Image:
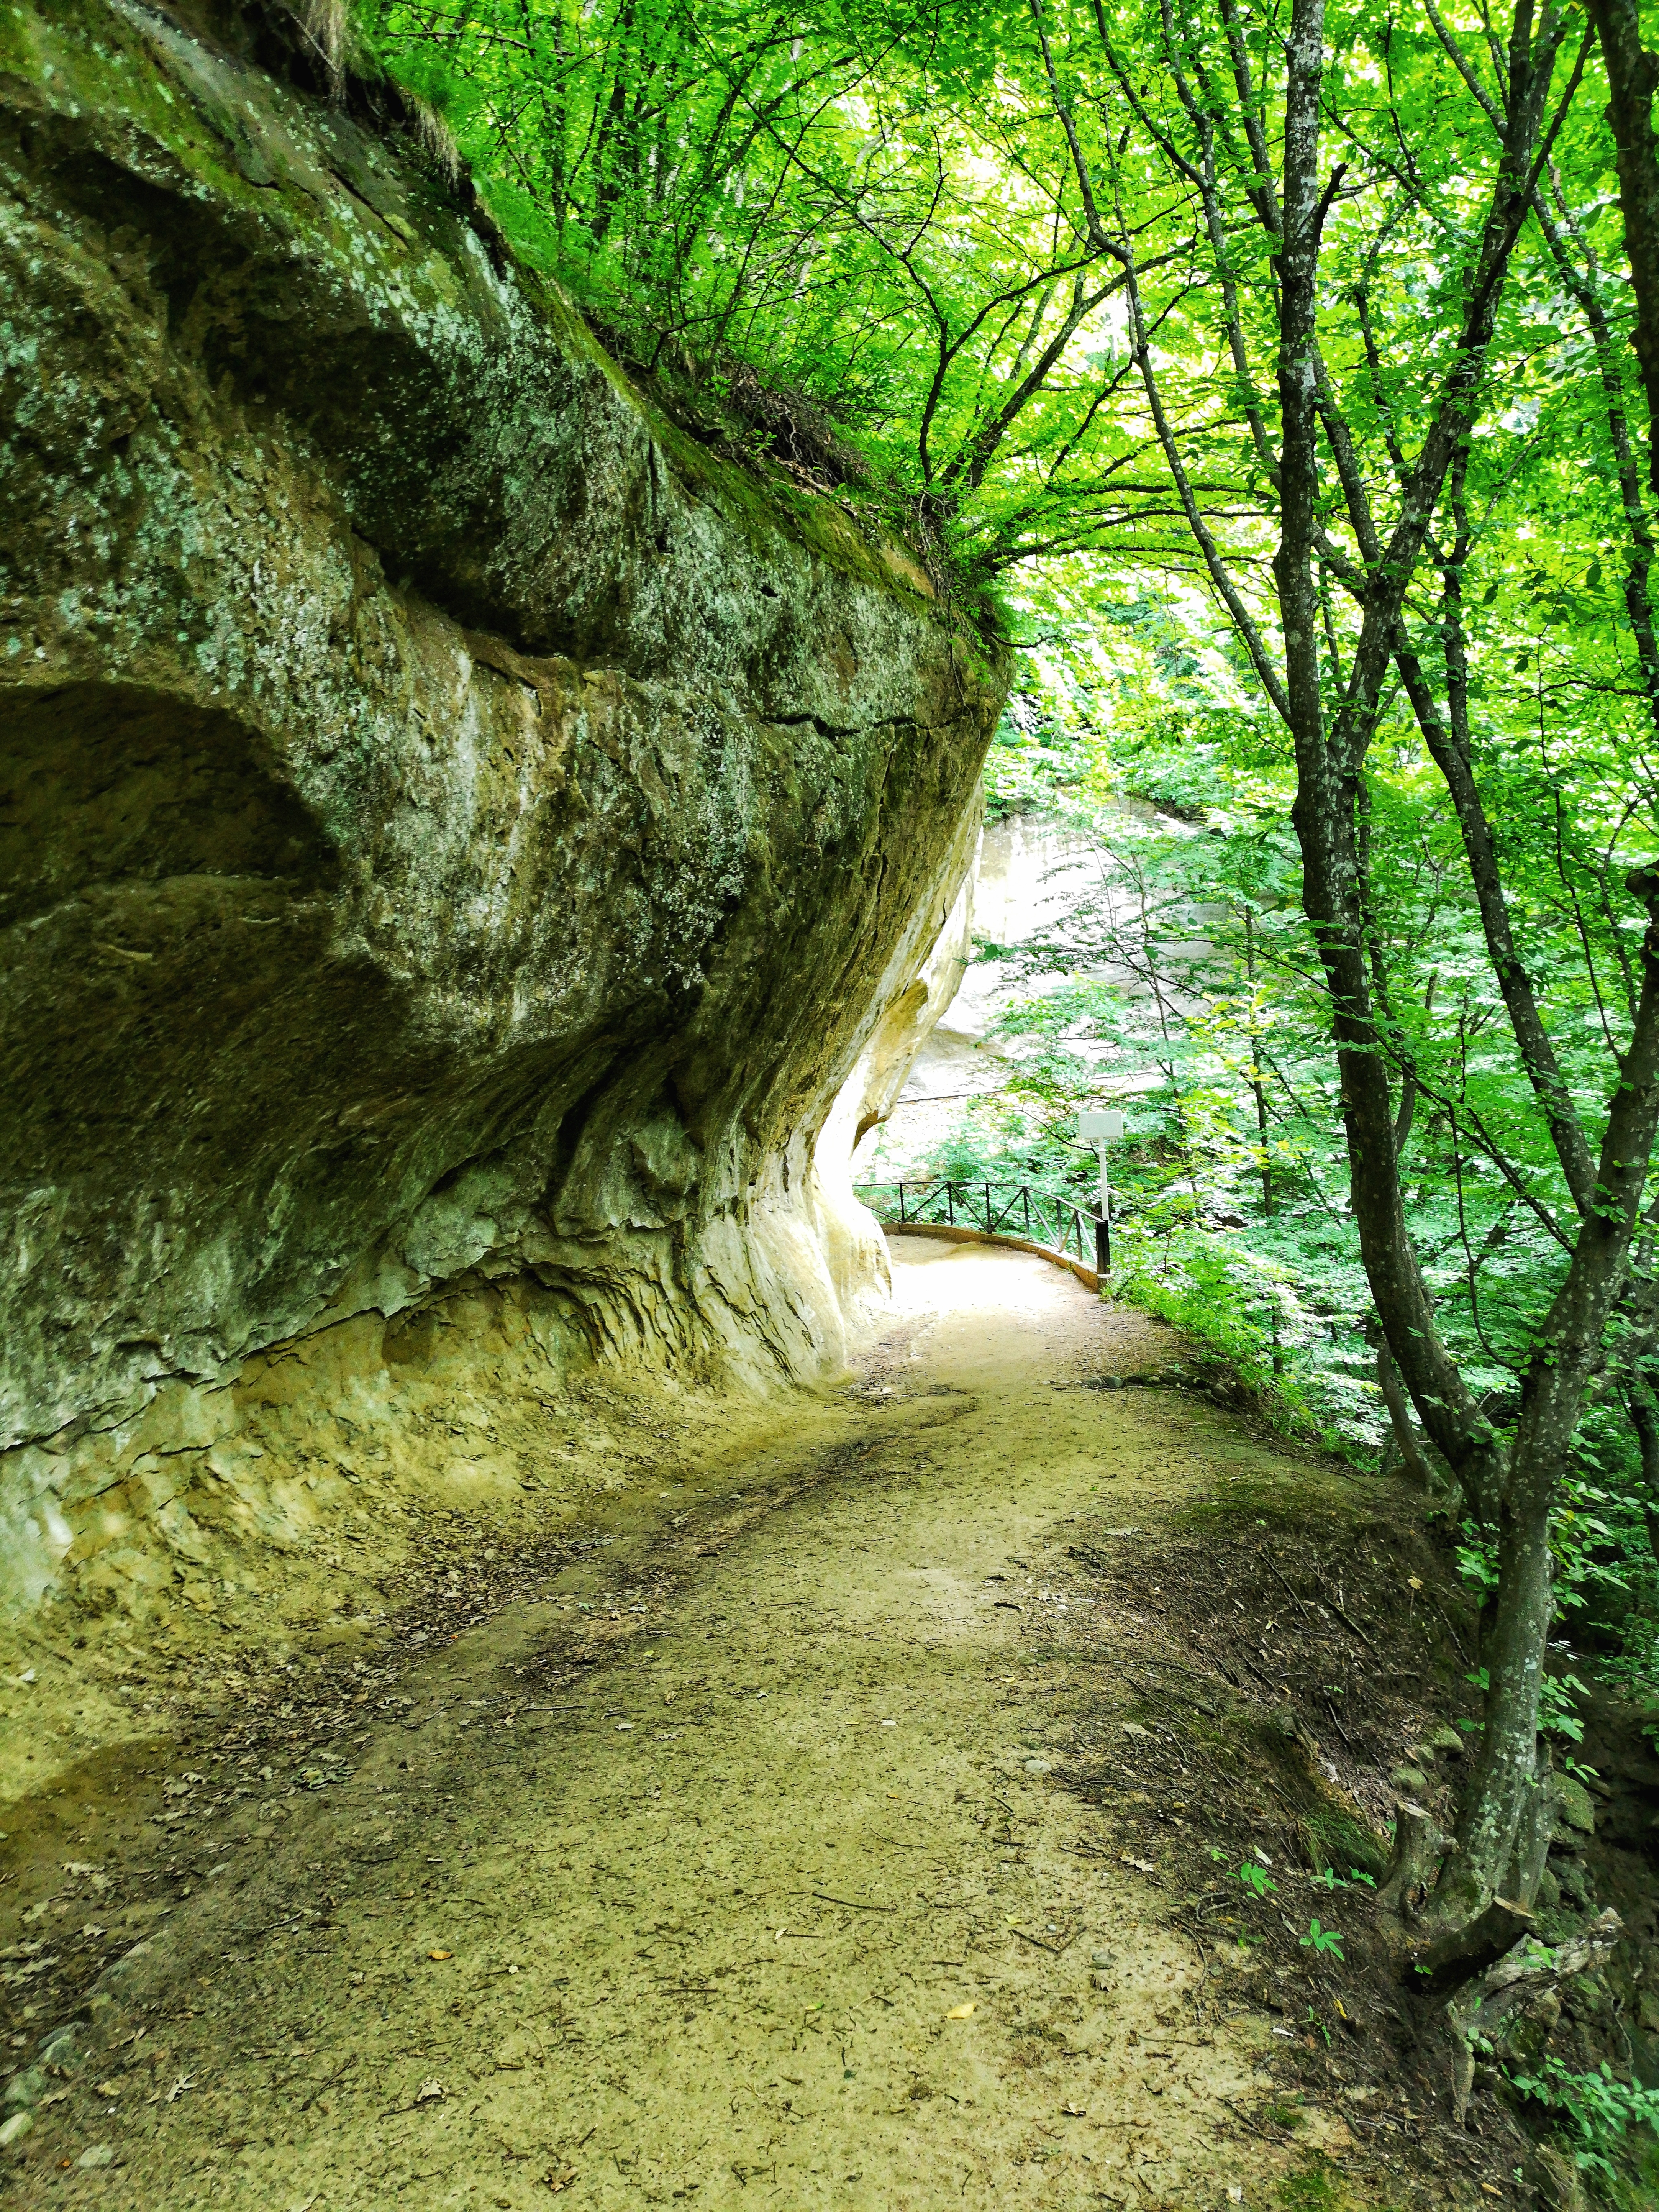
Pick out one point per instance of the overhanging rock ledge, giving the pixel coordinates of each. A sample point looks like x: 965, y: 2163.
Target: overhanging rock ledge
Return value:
x: 458, y: 834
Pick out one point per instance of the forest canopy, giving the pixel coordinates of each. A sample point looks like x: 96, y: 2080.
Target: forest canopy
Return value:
x: 1280, y: 379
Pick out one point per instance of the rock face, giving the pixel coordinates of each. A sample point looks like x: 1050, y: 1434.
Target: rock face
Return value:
x: 456, y: 831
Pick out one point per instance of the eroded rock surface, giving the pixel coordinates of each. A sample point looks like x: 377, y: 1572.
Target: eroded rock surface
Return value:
x: 458, y: 834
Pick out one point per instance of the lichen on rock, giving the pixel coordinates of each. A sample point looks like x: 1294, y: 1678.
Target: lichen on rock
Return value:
x: 460, y: 835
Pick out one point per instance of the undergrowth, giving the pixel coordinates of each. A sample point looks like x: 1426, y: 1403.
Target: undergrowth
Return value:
x: 1597, y: 2113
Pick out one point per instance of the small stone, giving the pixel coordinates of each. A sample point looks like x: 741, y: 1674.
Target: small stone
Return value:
x: 1411, y: 1779
x: 99, y: 2155
x: 1447, y: 1740
x: 1574, y: 1882
x: 18, y: 2125
x: 1038, y: 1766
x: 1102, y: 1958
x: 1573, y: 1808
x: 25, y: 2089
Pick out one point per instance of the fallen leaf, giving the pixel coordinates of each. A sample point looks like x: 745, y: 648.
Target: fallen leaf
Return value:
x: 440, y: 1954
x: 1235, y: 2194
x: 1141, y: 1866
x: 1073, y: 2113
x: 962, y: 2012
x: 429, y: 2092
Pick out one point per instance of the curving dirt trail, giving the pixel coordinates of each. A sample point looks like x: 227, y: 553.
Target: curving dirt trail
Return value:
x: 735, y: 1872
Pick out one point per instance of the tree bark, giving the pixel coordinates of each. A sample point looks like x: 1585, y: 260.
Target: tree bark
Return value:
x: 1515, y: 1490
x: 1632, y: 79
x: 1644, y: 1420
x: 1400, y: 1415
x: 1552, y: 1400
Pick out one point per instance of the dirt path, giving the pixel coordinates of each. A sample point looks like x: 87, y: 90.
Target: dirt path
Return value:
x: 730, y: 1874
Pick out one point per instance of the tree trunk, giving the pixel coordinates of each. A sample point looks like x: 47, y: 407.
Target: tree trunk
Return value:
x: 1644, y: 1420
x: 1553, y: 1396
x: 1400, y: 1414
x: 1506, y: 1764
x: 1513, y: 1489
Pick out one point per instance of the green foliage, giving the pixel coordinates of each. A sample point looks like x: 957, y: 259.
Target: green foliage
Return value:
x: 1598, y: 2111
x: 1189, y: 975
x: 1322, y: 1940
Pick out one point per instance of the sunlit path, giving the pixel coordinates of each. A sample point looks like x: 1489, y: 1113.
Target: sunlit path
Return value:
x: 780, y: 1895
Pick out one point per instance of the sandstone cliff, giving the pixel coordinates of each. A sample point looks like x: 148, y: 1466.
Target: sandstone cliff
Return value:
x: 458, y: 834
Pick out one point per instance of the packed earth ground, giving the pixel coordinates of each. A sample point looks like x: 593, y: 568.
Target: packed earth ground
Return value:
x: 850, y: 1813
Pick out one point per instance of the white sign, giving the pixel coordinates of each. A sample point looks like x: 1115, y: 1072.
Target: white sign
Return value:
x: 1095, y: 1126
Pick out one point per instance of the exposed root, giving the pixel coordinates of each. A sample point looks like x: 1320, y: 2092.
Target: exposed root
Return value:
x: 327, y: 27
x: 1486, y: 2012
x: 1419, y: 1847
x: 433, y: 136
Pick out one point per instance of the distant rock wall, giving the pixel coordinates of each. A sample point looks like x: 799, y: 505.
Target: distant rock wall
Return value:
x: 457, y: 835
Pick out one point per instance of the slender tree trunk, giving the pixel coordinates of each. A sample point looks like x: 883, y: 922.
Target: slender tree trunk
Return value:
x: 1632, y: 79
x: 1644, y: 1420
x: 1551, y: 1402
x: 1258, y: 1084
x: 1400, y: 1414
x: 1516, y: 1489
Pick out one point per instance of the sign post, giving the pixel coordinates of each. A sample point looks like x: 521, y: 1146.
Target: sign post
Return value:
x: 1101, y: 1126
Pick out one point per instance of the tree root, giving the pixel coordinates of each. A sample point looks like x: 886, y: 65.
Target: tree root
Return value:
x: 1419, y: 1848
x: 1485, y: 2011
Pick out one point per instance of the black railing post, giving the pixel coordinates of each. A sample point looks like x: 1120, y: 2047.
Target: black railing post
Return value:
x: 1102, y: 1247
x: 950, y: 1203
x: 1025, y: 1201
x: 901, y: 1215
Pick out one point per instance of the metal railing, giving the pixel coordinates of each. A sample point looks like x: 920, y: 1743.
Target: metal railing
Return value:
x: 1007, y: 1209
